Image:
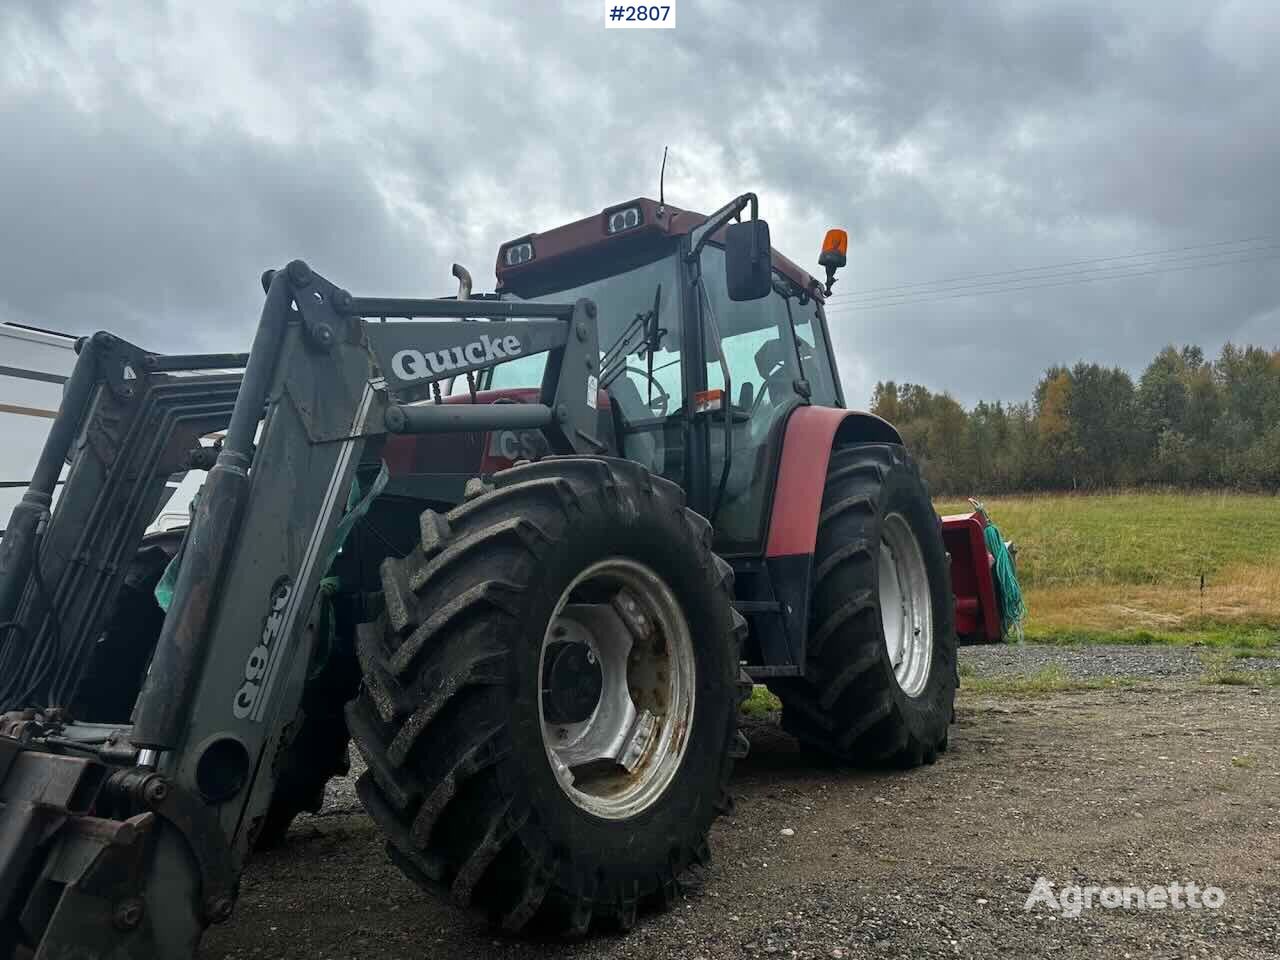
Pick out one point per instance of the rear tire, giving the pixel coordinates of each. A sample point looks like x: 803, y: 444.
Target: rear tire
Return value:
x: 879, y: 540
x: 450, y: 718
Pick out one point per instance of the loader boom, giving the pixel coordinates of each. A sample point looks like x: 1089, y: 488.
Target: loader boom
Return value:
x: 161, y: 813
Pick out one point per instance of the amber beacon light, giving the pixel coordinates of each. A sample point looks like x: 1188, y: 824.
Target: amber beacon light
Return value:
x: 835, y: 250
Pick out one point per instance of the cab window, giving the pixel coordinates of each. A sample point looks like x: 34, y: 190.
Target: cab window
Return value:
x: 814, y: 355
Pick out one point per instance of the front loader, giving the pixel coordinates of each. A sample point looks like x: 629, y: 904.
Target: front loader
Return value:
x: 540, y: 598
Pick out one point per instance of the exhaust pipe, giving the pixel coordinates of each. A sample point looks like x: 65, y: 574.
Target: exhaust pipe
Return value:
x: 464, y: 293
x: 464, y: 281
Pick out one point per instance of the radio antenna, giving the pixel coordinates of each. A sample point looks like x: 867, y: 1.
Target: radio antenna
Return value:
x: 662, y: 177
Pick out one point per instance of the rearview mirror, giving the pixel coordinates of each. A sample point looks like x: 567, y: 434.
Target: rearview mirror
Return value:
x: 748, y: 272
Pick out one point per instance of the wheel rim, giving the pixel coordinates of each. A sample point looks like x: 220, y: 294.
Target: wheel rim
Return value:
x: 617, y: 697
x: 906, y: 608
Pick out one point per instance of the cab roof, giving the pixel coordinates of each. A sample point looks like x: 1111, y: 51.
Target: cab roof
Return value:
x: 613, y: 224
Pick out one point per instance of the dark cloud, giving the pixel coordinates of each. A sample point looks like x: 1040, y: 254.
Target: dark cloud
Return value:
x: 160, y: 156
x: 127, y: 223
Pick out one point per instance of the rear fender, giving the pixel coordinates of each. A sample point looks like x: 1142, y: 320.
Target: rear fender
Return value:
x: 811, y: 434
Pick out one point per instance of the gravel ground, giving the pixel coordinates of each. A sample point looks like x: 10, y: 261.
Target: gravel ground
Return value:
x: 1168, y: 780
x: 1100, y: 661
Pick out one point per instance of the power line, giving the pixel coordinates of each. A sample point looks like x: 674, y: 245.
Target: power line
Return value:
x: 986, y: 286
x: 908, y: 301
x: 878, y: 292
x: 1101, y: 273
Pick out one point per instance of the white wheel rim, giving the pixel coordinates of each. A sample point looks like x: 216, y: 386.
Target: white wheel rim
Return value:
x: 906, y: 608
x: 618, y: 760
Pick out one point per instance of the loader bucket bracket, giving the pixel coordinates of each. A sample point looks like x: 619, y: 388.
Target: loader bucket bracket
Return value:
x: 141, y: 789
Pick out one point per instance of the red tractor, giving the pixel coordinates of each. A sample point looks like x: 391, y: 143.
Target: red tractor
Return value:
x: 717, y: 374
x: 530, y: 554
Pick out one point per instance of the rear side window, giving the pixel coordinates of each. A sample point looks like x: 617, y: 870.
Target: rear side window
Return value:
x: 814, y: 354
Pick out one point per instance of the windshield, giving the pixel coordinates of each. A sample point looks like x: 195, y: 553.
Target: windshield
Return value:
x: 645, y: 386
x: 618, y: 299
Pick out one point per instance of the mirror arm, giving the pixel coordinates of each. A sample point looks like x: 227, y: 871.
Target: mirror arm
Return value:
x: 720, y: 219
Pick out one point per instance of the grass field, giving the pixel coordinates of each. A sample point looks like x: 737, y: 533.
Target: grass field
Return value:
x: 1128, y: 567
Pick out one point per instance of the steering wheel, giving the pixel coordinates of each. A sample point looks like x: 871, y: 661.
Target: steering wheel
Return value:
x: 659, y: 404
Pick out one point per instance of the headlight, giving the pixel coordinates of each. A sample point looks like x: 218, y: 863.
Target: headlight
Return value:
x: 518, y: 253
x: 624, y: 219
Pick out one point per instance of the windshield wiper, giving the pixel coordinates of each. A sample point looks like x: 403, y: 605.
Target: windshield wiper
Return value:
x: 653, y: 336
x: 792, y: 291
x: 614, y: 361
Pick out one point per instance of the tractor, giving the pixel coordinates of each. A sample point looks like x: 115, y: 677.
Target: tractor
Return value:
x: 528, y: 550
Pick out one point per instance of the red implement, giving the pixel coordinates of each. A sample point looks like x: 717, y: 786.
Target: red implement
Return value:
x: 972, y: 580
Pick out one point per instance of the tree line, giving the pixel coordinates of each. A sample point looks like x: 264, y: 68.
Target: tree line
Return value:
x: 1188, y: 422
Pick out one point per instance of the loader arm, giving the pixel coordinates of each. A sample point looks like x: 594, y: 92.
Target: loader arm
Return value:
x: 127, y: 839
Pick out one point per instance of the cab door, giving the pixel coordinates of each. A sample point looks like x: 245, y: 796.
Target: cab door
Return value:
x: 778, y: 358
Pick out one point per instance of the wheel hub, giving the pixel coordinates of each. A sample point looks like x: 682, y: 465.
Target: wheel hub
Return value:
x: 571, y: 683
x: 616, y: 705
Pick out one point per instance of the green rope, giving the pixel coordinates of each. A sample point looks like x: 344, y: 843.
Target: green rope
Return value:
x: 1013, y: 608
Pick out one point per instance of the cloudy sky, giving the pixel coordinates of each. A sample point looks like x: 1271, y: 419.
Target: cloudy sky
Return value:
x: 157, y: 156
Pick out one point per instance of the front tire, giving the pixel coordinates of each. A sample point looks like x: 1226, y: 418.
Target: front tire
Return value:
x: 461, y: 719
x: 880, y: 677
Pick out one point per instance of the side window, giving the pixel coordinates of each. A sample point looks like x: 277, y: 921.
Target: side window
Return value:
x: 814, y: 354
x: 745, y: 378
x: 754, y: 336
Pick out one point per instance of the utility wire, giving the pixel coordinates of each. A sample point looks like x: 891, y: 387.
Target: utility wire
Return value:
x: 1100, y: 272
x: 1086, y: 275
x: 1013, y: 275
x: 1054, y: 282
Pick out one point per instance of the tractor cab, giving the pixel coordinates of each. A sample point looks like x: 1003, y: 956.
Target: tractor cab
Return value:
x: 698, y: 371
